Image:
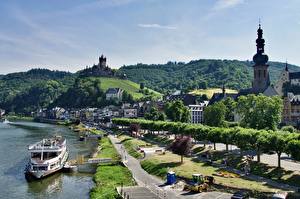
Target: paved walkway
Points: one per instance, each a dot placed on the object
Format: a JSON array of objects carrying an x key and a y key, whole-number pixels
[
  {"x": 155, "y": 184},
  {"x": 139, "y": 174}
]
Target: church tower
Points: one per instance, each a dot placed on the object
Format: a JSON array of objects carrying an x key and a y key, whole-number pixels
[{"x": 261, "y": 74}]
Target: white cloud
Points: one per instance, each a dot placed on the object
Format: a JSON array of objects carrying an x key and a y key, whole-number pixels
[
  {"x": 158, "y": 26},
  {"x": 224, "y": 4}
]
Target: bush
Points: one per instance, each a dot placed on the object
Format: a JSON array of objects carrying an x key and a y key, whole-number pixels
[{"x": 290, "y": 129}]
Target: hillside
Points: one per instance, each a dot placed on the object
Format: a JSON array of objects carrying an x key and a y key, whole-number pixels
[
  {"x": 127, "y": 85},
  {"x": 25, "y": 92},
  {"x": 90, "y": 92},
  {"x": 204, "y": 73},
  {"x": 210, "y": 91},
  {"x": 34, "y": 85}
]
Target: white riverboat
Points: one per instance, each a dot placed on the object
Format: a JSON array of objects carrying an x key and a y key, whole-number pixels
[{"x": 47, "y": 157}]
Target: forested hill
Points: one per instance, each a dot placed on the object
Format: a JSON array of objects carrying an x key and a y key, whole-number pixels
[
  {"x": 26, "y": 92},
  {"x": 23, "y": 89},
  {"x": 14, "y": 83},
  {"x": 198, "y": 74}
]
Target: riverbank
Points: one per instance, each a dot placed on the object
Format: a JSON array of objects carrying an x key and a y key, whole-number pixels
[
  {"x": 19, "y": 117},
  {"x": 109, "y": 176}
]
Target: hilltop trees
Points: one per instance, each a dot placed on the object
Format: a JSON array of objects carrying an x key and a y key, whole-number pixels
[
  {"x": 40, "y": 95},
  {"x": 86, "y": 92}
]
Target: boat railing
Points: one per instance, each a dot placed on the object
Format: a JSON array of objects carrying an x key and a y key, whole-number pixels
[{"x": 39, "y": 147}]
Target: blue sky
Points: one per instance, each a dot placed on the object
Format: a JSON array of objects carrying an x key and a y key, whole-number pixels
[{"x": 71, "y": 34}]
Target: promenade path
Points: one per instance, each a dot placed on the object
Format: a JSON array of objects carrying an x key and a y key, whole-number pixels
[{"x": 155, "y": 184}]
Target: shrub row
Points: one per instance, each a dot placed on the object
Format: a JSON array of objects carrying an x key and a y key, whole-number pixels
[{"x": 245, "y": 139}]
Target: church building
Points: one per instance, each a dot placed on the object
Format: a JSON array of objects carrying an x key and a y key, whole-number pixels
[{"x": 261, "y": 81}]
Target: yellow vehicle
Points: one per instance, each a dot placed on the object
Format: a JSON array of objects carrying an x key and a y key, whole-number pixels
[{"x": 199, "y": 183}]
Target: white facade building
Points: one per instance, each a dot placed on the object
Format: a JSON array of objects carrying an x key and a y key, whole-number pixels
[{"x": 197, "y": 111}]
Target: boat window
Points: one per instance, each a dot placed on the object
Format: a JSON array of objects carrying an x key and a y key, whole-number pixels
[
  {"x": 49, "y": 155},
  {"x": 36, "y": 155},
  {"x": 40, "y": 168}
]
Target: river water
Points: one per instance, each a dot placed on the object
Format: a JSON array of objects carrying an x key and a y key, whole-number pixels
[{"x": 14, "y": 140}]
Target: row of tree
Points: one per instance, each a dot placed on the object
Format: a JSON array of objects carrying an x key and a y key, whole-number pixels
[{"x": 262, "y": 141}]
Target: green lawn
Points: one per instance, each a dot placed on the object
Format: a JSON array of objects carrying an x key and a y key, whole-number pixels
[
  {"x": 160, "y": 164},
  {"x": 259, "y": 169},
  {"x": 107, "y": 150},
  {"x": 131, "y": 145},
  {"x": 109, "y": 176},
  {"x": 210, "y": 91},
  {"x": 127, "y": 85},
  {"x": 160, "y": 140}
]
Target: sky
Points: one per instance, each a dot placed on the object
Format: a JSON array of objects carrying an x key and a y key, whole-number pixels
[{"x": 71, "y": 34}]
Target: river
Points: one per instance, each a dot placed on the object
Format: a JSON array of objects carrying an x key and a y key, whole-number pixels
[{"x": 14, "y": 140}]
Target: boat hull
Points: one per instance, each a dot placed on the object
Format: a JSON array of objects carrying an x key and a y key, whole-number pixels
[{"x": 29, "y": 174}]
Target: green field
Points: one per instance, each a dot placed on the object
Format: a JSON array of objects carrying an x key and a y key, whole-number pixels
[
  {"x": 159, "y": 165},
  {"x": 111, "y": 175},
  {"x": 127, "y": 85},
  {"x": 131, "y": 145},
  {"x": 210, "y": 91}
]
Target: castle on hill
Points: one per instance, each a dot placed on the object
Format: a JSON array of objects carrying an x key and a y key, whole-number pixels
[{"x": 98, "y": 70}]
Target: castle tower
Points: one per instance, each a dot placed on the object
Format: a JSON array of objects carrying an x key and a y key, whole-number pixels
[
  {"x": 102, "y": 61},
  {"x": 261, "y": 74}
]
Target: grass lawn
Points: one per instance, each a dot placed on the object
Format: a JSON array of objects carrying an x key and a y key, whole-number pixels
[
  {"x": 131, "y": 87},
  {"x": 210, "y": 91},
  {"x": 160, "y": 140},
  {"x": 97, "y": 132},
  {"x": 260, "y": 169},
  {"x": 132, "y": 144},
  {"x": 110, "y": 176},
  {"x": 107, "y": 150},
  {"x": 107, "y": 178},
  {"x": 160, "y": 164}
]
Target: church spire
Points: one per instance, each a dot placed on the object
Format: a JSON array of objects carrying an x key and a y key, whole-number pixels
[
  {"x": 260, "y": 58},
  {"x": 286, "y": 66}
]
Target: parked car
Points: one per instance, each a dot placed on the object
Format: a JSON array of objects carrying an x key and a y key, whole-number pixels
[
  {"x": 280, "y": 196},
  {"x": 240, "y": 195}
]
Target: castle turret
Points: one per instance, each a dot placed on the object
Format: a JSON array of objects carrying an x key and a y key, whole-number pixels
[
  {"x": 102, "y": 61},
  {"x": 261, "y": 74}
]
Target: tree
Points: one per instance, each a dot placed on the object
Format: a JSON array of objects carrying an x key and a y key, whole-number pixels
[
  {"x": 177, "y": 112},
  {"x": 230, "y": 105},
  {"x": 181, "y": 146},
  {"x": 259, "y": 111},
  {"x": 293, "y": 148},
  {"x": 142, "y": 85},
  {"x": 277, "y": 142},
  {"x": 155, "y": 115},
  {"x": 214, "y": 115},
  {"x": 127, "y": 97},
  {"x": 290, "y": 129},
  {"x": 134, "y": 128}
]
